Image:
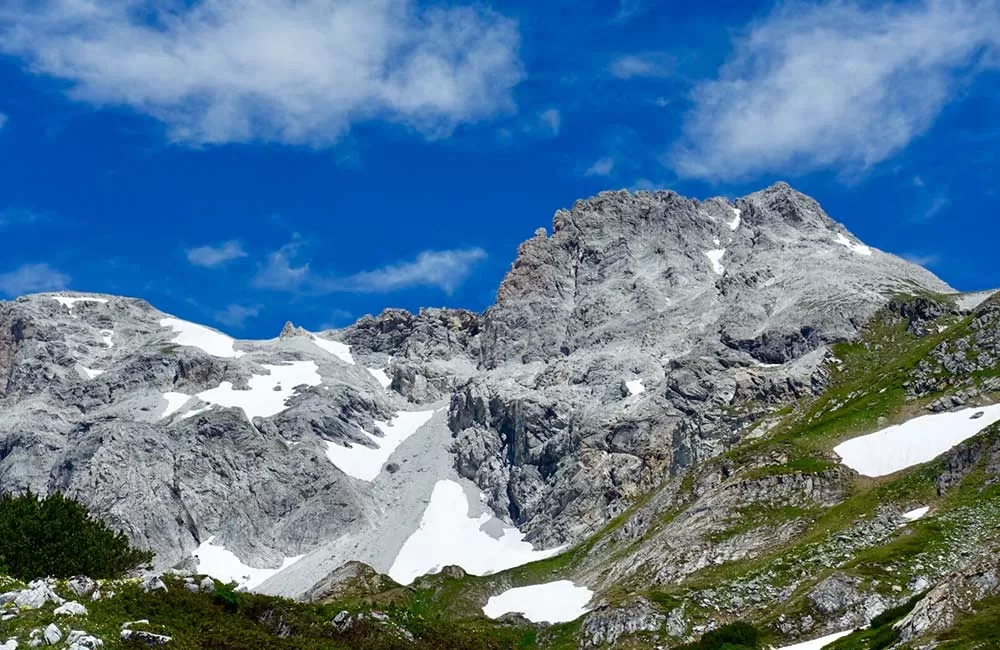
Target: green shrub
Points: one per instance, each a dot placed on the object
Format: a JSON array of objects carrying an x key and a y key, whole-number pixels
[
  {"x": 734, "y": 636},
  {"x": 56, "y": 537}
]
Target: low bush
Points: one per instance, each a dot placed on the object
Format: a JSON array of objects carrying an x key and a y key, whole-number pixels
[{"x": 57, "y": 537}]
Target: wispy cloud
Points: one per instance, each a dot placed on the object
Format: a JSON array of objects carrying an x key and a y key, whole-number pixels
[
  {"x": 939, "y": 203},
  {"x": 215, "y": 256},
  {"x": 32, "y": 278},
  {"x": 236, "y": 315},
  {"x": 16, "y": 216},
  {"x": 627, "y": 10},
  {"x": 602, "y": 167},
  {"x": 551, "y": 119},
  {"x": 278, "y": 273},
  {"x": 273, "y": 70},
  {"x": 653, "y": 64},
  {"x": 444, "y": 270},
  {"x": 838, "y": 84},
  {"x": 922, "y": 259}
]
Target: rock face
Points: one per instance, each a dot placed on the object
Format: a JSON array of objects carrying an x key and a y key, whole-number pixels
[
  {"x": 704, "y": 305},
  {"x": 647, "y": 333}
]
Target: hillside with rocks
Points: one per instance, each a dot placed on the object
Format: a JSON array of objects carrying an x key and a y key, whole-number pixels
[{"x": 679, "y": 415}]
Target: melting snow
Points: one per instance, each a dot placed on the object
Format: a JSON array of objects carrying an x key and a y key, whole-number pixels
[
  {"x": 915, "y": 442},
  {"x": 552, "y": 602},
  {"x": 735, "y": 223},
  {"x": 91, "y": 373},
  {"x": 817, "y": 644},
  {"x": 366, "y": 463},
  {"x": 919, "y": 513},
  {"x": 174, "y": 403},
  {"x": 192, "y": 335},
  {"x": 340, "y": 350},
  {"x": 224, "y": 566},
  {"x": 858, "y": 248},
  {"x": 635, "y": 387},
  {"x": 448, "y": 535},
  {"x": 380, "y": 376},
  {"x": 267, "y": 394},
  {"x": 715, "y": 257}
]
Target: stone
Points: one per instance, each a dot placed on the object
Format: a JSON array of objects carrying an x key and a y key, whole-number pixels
[
  {"x": 52, "y": 634},
  {"x": 207, "y": 585},
  {"x": 71, "y": 608}
]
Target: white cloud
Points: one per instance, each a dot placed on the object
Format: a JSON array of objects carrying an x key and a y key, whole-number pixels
[
  {"x": 835, "y": 84},
  {"x": 551, "y": 119},
  {"x": 236, "y": 315},
  {"x": 653, "y": 64},
  {"x": 445, "y": 270},
  {"x": 32, "y": 278},
  {"x": 278, "y": 273},
  {"x": 214, "y": 256},
  {"x": 922, "y": 259},
  {"x": 602, "y": 167},
  {"x": 291, "y": 71}
]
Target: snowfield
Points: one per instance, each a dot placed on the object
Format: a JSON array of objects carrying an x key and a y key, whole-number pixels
[
  {"x": 919, "y": 513},
  {"x": 734, "y": 225},
  {"x": 223, "y": 565},
  {"x": 635, "y": 387},
  {"x": 174, "y": 403},
  {"x": 380, "y": 376},
  {"x": 204, "y": 338},
  {"x": 267, "y": 394},
  {"x": 366, "y": 463},
  {"x": 552, "y": 602},
  {"x": 715, "y": 257},
  {"x": 817, "y": 644},
  {"x": 915, "y": 442},
  {"x": 447, "y": 535},
  {"x": 340, "y": 350},
  {"x": 858, "y": 248}
]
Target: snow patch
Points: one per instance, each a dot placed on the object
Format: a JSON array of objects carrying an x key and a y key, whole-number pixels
[
  {"x": 90, "y": 372},
  {"x": 919, "y": 513},
  {"x": 448, "y": 535},
  {"x": 366, "y": 463},
  {"x": 224, "y": 566},
  {"x": 734, "y": 225},
  {"x": 915, "y": 442},
  {"x": 107, "y": 337},
  {"x": 204, "y": 338},
  {"x": 380, "y": 376},
  {"x": 266, "y": 394},
  {"x": 857, "y": 247},
  {"x": 340, "y": 350},
  {"x": 174, "y": 403},
  {"x": 635, "y": 387},
  {"x": 552, "y": 602},
  {"x": 69, "y": 302},
  {"x": 715, "y": 257},
  {"x": 817, "y": 644}
]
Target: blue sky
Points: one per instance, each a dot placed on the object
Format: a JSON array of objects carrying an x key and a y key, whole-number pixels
[{"x": 244, "y": 163}]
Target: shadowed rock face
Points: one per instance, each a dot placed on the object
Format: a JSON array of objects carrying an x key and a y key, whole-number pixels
[{"x": 614, "y": 356}]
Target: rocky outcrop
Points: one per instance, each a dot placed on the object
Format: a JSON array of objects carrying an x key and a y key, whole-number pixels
[{"x": 704, "y": 307}]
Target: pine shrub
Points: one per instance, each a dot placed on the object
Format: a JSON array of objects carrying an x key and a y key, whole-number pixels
[{"x": 57, "y": 537}]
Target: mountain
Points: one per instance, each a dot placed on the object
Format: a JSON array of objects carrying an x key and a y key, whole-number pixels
[{"x": 662, "y": 419}]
